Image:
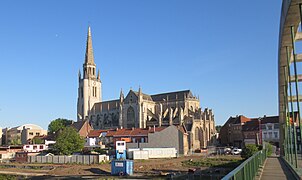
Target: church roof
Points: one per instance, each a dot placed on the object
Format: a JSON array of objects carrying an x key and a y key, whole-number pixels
[
  {"x": 145, "y": 96},
  {"x": 106, "y": 105},
  {"x": 177, "y": 95},
  {"x": 170, "y": 96},
  {"x": 89, "y": 59}
]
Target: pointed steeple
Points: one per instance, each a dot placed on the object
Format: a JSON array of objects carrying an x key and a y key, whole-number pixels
[
  {"x": 89, "y": 59},
  {"x": 139, "y": 90},
  {"x": 121, "y": 95},
  {"x": 79, "y": 74},
  {"x": 99, "y": 76}
]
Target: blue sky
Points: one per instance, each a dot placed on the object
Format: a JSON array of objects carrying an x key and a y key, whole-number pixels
[{"x": 224, "y": 51}]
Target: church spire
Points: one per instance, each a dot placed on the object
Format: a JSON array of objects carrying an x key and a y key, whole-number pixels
[{"x": 89, "y": 59}]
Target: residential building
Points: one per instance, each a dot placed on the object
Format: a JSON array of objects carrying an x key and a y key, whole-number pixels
[
  {"x": 34, "y": 147},
  {"x": 231, "y": 132},
  {"x": 82, "y": 127},
  {"x": 29, "y": 133},
  {"x": 140, "y": 110},
  {"x": 9, "y": 152},
  {"x": 270, "y": 129},
  {"x": 240, "y": 130},
  {"x": 97, "y": 138},
  {"x": 250, "y": 131},
  {"x": 169, "y": 137},
  {"x": 21, "y": 134},
  {"x": 130, "y": 135}
]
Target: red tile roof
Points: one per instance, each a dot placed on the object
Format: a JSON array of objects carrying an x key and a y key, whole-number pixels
[
  {"x": 133, "y": 132},
  {"x": 97, "y": 133}
]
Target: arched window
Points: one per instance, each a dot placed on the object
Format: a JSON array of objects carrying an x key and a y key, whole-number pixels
[{"x": 130, "y": 117}]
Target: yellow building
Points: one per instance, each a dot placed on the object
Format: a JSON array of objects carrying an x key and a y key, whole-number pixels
[{"x": 20, "y": 134}]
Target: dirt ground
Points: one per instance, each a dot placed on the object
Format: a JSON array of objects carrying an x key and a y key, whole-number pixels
[{"x": 143, "y": 167}]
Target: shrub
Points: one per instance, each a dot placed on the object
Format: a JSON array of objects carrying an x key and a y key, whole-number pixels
[
  {"x": 249, "y": 151},
  {"x": 269, "y": 148}
]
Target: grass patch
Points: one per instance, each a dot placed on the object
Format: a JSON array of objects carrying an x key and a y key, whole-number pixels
[
  {"x": 219, "y": 162},
  {"x": 8, "y": 177}
]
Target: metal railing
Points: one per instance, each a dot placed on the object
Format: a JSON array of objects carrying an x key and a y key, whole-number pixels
[{"x": 249, "y": 168}]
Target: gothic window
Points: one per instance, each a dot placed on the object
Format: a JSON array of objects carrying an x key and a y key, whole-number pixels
[
  {"x": 98, "y": 120},
  {"x": 130, "y": 114},
  {"x": 93, "y": 71},
  {"x": 82, "y": 92},
  {"x": 130, "y": 117}
]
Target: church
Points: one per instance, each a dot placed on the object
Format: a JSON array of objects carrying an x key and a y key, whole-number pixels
[{"x": 139, "y": 110}]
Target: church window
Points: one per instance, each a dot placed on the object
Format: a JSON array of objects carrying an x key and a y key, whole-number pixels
[
  {"x": 130, "y": 114},
  {"x": 93, "y": 71},
  {"x": 82, "y": 92}
]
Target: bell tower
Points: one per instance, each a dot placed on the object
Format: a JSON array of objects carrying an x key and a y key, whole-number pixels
[{"x": 90, "y": 85}]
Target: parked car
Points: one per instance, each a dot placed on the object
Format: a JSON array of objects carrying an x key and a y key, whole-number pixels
[
  {"x": 227, "y": 150},
  {"x": 236, "y": 151}
]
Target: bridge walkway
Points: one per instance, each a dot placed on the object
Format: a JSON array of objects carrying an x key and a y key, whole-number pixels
[{"x": 275, "y": 169}]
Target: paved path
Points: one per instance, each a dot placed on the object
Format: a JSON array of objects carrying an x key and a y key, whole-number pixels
[{"x": 275, "y": 169}]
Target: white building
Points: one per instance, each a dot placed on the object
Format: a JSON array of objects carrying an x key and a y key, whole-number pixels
[
  {"x": 34, "y": 147},
  {"x": 270, "y": 129}
]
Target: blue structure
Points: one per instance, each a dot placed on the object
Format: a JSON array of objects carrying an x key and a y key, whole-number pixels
[
  {"x": 122, "y": 167},
  {"x": 120, "y": 155}
]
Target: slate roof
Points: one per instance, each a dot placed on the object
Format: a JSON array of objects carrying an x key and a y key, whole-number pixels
[
  {"x": 78, "y": 125},
  {"x": 177, "y": 95},
  {"x": 268, "y": 119},
  {"x": 252, "y": 125}
]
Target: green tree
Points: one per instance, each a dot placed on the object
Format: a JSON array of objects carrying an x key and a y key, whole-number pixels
[
  {"x": 16, "y": 141},
  {"x": 68, "y": 141},
  {"x": 269, "y": 148},
  {"x": 38, "y": 140},
  {"x": 58, "y": 124},
  {"x": 249, "y": 150},
  {"x": 218, "y": 127}
]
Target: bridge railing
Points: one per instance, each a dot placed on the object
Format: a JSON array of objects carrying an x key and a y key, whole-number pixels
[{"x": 249, "y": 168}]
